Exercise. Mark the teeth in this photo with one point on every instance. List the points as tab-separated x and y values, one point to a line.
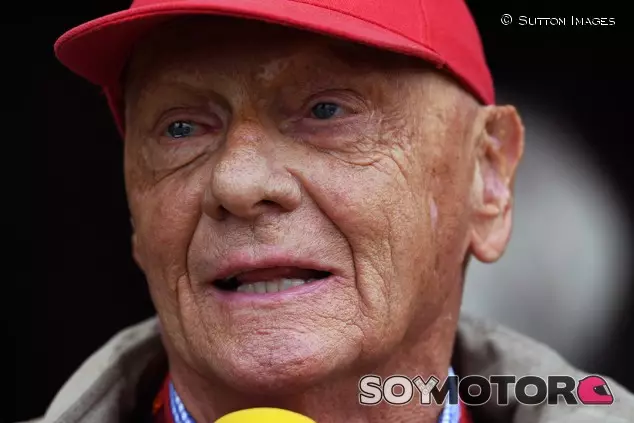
277	285
260	287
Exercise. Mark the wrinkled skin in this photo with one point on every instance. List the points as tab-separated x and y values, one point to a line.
394	193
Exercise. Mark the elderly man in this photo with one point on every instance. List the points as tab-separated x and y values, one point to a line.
307	182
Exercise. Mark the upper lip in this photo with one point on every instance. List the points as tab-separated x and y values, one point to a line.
234	264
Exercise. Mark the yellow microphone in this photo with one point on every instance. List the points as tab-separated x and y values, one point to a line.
264	415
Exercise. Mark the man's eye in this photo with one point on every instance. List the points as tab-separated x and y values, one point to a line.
325	111
180	129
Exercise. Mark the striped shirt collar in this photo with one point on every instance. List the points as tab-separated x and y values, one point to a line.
450	412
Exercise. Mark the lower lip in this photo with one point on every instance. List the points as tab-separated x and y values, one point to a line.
289	294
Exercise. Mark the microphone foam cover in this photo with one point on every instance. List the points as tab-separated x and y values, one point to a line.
264	415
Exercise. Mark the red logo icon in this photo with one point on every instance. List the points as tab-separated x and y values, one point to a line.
594	390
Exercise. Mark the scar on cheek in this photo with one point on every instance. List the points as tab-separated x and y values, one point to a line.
398	153
433	213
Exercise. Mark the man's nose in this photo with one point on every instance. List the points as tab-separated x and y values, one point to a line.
247	180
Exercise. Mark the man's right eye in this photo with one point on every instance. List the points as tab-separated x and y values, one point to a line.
181	129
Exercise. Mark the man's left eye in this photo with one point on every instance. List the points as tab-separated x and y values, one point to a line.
181	129
324	111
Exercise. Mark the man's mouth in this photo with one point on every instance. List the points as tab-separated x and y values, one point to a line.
269	280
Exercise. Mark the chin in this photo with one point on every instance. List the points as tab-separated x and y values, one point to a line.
285	368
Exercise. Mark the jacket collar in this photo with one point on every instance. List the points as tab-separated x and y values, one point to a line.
122	377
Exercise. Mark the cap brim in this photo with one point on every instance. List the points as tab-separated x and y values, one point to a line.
99	49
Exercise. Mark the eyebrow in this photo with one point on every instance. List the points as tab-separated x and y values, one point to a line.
181	83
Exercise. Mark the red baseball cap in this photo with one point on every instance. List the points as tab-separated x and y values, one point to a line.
441	32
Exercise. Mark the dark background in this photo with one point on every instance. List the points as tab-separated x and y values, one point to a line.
71	283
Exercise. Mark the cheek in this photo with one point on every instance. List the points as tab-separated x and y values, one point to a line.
448	201
385	222
166	216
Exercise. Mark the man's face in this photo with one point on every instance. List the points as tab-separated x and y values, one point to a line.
339	175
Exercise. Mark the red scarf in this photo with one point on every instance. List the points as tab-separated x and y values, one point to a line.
163	414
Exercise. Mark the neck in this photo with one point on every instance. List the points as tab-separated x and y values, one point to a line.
424	351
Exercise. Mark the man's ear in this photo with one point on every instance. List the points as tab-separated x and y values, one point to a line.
498	152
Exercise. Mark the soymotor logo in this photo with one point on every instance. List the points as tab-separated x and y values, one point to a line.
477	390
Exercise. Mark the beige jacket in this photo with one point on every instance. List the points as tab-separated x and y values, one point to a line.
109	387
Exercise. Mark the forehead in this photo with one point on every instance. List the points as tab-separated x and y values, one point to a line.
193	47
